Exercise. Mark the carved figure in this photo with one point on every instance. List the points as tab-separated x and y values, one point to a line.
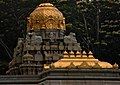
36	39
20	40
70	38
52	36
38	56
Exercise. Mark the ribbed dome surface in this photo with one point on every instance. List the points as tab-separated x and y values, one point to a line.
46	16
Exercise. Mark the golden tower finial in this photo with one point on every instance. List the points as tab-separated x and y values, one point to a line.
90	54
78	54
65	54
72	54
84	54
115	66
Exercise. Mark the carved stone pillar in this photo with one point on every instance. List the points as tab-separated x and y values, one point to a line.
33	70
24	73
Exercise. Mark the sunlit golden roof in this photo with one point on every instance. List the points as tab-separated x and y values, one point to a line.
46	16
80	62
105	65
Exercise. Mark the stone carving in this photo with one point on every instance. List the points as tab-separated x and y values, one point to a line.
47	46
20	41
61	34
54	47
70	47
33	42
70	38
51	24
52	36
77	46
19	47
61	46
56	56
38	56
36	40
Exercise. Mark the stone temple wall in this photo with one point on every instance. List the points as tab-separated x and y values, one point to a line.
65	77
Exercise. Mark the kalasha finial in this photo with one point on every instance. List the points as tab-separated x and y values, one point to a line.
84	54
65	54
72	54
78	54
115	66
90	54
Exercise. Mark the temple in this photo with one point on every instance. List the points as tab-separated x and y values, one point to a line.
49	57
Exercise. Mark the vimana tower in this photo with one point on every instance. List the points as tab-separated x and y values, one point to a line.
46	56
45	41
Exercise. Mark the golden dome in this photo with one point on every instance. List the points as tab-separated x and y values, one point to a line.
46	16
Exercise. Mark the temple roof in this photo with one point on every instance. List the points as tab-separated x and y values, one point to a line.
80	62
46	16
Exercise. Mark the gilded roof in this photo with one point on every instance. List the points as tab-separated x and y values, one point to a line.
46	16
80	62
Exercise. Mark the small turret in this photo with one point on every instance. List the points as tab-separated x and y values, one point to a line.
115	66
72	54
90	54
65	54
78	54
84	54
